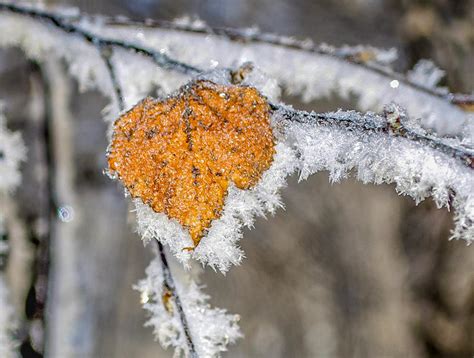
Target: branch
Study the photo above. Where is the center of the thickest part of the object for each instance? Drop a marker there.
(464, 101)
(377, 123)
(169, 63)
(106, 54)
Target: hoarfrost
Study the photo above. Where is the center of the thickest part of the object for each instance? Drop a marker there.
(311, 74)
(425, 73)
(374, 157)
(306, 146)
(211, 329)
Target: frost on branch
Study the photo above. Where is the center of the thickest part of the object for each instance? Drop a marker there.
(307, 70)
(361, 147)
(211, 329)
(315, 73)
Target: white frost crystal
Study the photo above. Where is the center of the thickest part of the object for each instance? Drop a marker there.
(427, 74)
(211, 329)
(417, 170)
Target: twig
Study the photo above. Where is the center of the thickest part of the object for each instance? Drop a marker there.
(376, 123)
(106, 53)
(170, 286)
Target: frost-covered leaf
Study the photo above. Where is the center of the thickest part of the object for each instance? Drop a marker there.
(181, 154)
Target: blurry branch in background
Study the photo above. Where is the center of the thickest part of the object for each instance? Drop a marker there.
(366, 57)
(369, 58)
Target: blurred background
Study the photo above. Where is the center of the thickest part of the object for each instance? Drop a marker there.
(346, 270)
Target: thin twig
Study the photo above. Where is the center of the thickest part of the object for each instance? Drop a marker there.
(171, 287)
(377, 123)
(106, 53)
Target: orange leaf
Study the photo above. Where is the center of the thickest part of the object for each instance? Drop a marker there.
(179, 155)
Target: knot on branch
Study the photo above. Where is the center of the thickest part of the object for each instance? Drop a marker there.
(394, 116)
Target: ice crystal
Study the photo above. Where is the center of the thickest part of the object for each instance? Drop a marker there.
(426, 74)
(211, 329)
(416, 170)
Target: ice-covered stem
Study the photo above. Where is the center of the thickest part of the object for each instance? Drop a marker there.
(169, 63)
(386, 123)
(98, 41)
(170, 288)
